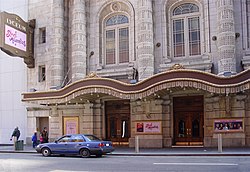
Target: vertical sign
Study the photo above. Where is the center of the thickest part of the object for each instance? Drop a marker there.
(17, 37)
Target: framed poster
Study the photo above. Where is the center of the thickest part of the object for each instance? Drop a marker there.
(148, 127)
(70, 125)
(228, 125)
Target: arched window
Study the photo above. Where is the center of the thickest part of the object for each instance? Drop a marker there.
(186, 30)
(117, 40)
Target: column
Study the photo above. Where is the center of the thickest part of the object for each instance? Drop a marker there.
(57, 46)
(78, 36)
(226, 38)
(145, 46)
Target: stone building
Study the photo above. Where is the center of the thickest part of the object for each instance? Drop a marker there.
(166, 71)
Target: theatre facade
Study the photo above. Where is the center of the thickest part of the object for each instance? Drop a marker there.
(160, 70)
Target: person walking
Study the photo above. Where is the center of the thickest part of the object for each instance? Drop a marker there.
(34, 139)
(15, 136)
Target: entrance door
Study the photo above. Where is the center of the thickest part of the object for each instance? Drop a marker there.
(118, 122)
(188, 121)
(189, 128)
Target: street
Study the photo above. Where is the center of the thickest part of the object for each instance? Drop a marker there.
(19, 162)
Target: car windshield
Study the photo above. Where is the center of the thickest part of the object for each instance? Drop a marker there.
(92, 137)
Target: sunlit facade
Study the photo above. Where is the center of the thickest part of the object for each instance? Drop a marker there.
(166, 71)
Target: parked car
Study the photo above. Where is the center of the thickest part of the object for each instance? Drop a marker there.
(76, 144)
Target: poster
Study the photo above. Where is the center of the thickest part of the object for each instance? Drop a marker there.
(228, 125)
(71, 125)
(148, 127)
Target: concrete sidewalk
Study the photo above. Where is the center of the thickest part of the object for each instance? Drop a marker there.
(173, 151)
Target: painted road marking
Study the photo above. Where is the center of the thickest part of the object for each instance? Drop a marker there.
(209, 164)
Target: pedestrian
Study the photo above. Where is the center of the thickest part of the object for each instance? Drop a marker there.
(34, 139)
(45, 135)
(15, 136)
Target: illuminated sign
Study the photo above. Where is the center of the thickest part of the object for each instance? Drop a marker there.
(17, 37)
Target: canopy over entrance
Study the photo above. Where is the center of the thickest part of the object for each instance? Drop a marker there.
(94, 87)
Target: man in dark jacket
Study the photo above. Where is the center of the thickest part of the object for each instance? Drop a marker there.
(16, 134)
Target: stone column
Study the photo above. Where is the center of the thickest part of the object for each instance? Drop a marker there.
(78, 36)
(145, 45)
(226, 37)
(55, 129)
(87, 122)
(57, 46)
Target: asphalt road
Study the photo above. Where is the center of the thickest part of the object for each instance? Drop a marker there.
(19, 162)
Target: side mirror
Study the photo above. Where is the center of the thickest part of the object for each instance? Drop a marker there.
(56, 141)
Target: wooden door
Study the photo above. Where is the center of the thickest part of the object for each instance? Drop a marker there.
(188, 128)
(118, 122)
(118, 128)
(188, 120)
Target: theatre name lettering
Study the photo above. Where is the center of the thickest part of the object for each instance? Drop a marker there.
(17, 37)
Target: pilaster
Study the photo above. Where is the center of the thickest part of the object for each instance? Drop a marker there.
(145, 45)
(57, 44)
(78, 36)
(226, 37)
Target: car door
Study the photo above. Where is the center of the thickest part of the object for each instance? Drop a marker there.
(60, 147)
(76, 142)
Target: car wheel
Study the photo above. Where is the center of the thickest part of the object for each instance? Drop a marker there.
(85, 153)
(46, 152)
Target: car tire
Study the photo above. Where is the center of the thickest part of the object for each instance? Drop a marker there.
(46, 152)
(85, 153)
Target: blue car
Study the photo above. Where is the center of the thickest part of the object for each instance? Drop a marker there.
(76, 144)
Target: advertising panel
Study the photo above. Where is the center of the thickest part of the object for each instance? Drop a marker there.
(17, 37)
(148, 127)
(71, 125)
(228, 125)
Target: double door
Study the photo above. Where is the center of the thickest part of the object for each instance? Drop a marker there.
(118, 128)
(118, 122)
(189, 128)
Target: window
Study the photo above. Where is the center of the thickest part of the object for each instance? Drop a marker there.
(76, 138)
(186, 30)
(117, 40)
(64, 139)
(42, 35)
(42, 74)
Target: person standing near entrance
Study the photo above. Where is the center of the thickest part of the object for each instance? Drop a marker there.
(15, 136)
(45, 136)
(34, 139)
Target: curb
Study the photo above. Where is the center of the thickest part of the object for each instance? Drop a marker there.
(150, 154)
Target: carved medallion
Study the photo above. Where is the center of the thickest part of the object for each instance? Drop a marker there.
(116, 6)
(176, 67)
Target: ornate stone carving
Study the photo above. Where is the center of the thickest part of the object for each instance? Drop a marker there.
(92, 75)
(116, 6)
(176, 67)
(226, 37)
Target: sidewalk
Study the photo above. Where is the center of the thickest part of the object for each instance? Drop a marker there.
(173, 151)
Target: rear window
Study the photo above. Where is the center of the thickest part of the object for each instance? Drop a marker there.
(92, 138)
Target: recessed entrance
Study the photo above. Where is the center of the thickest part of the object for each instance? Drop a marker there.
(188, 121)
(118, 122)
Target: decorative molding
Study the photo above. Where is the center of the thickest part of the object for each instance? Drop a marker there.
(175, 79)
(176, 67)
(92, 75)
